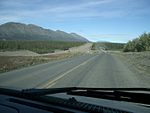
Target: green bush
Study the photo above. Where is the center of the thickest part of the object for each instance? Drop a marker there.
(139, 44)
(93, 46)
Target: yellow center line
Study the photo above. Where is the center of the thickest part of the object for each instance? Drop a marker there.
(53, 82)
(51, 85)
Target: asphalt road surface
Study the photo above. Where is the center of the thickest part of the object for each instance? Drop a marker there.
(97, 70)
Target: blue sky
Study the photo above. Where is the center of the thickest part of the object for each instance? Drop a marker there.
(97, 20)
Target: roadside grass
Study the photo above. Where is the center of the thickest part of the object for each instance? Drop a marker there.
(8, 63)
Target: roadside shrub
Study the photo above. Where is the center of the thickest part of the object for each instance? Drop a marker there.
(142, 43)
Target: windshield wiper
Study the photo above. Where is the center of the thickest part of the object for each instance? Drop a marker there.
(138, 95)
(41, 92)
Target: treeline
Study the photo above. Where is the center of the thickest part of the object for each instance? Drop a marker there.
(37, 46)
(93, 46)
(113, 46)
(142, 43)
(108, 46)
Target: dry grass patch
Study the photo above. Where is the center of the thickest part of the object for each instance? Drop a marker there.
(8, 63)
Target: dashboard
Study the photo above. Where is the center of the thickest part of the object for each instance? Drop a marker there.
(62, 103)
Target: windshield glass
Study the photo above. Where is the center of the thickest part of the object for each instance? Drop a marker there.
(74, 43)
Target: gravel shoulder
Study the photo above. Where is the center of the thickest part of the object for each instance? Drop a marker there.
(19, 53)
(139, 62)
(86, 48)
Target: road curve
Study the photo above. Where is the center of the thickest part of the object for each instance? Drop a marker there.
(98, 70)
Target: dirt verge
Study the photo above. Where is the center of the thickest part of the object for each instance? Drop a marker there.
(11, 60)
(8, 63)
(138, 61)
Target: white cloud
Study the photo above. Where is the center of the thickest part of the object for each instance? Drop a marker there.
(78, 7)
(86, 9)
(78, 10)
(9, 19)
(123, 38)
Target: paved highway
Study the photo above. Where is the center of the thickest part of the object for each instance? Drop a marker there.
(97, 70)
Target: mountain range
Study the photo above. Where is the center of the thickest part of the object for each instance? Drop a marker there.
(21, 31)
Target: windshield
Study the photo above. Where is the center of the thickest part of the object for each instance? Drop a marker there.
(74, 43)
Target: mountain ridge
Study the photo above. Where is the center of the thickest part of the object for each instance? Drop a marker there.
(21, 31)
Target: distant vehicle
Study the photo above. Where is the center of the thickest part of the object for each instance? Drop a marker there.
(52, 51)
(66, 49)
(75, 100)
